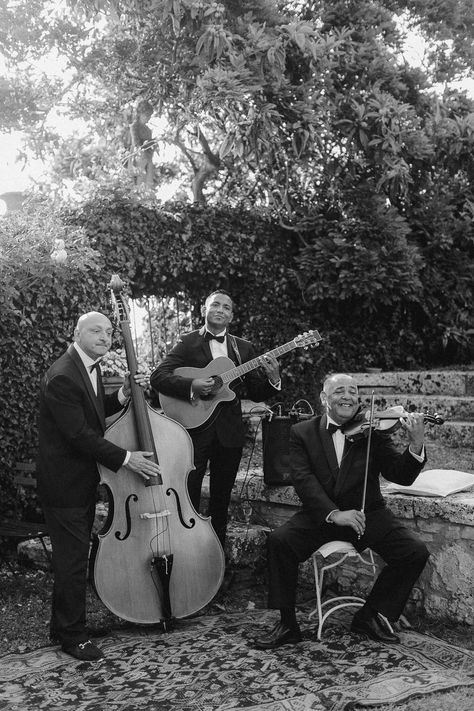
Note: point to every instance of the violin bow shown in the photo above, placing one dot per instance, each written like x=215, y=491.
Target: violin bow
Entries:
x=369, y=439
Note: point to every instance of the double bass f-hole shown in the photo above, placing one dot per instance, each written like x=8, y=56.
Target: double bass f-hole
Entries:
x=192, y=521
x=118, y=535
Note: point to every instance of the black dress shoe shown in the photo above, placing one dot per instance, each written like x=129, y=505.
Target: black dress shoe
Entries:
x=375, y=628
x=84, y=651
x=92, y=632
x=279, y=635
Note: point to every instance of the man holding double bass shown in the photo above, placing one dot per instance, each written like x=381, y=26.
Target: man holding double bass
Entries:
x=73, y=408
x=329, y=474
x=219, y=441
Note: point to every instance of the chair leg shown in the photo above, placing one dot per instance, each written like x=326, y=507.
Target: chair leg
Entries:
x=340, y=601
x=318, y=584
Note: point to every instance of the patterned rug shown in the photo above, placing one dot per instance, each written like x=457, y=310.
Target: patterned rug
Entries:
x=207, y=664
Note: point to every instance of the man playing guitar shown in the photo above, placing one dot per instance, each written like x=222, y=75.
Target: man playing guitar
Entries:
x=219, y=439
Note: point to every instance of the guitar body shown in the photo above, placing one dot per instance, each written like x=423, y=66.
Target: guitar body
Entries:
x=197, y=412
x=224, y=371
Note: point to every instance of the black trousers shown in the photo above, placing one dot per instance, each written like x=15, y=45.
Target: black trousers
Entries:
x=403, y=552
x=70, y=532
x=223, y=467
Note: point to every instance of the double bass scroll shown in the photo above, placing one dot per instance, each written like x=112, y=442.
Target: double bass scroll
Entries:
x=157, y=559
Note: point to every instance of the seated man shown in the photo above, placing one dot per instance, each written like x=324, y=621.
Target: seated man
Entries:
x=328, y=473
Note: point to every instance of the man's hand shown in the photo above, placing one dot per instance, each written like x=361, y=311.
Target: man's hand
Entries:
x=201, y=387
x=141, y=465
x=354, y=519
x=142, y=379
x=270, y=365
x=414, y=424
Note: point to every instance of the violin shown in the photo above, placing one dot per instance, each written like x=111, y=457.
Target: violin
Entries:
x=386, y=421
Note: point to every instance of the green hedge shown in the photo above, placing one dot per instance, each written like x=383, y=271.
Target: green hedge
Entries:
x=369, y=285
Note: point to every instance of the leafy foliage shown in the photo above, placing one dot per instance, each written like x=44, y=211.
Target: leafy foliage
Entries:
x=270, y=102
x=39, y=306
x=379, y=291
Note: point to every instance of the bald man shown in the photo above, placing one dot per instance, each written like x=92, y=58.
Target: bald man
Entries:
x=73, y=408
x=328, y=474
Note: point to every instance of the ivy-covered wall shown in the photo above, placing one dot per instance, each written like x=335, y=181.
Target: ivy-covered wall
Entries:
x=371, y=289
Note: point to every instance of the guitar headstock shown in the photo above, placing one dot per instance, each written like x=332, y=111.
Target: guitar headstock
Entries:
x=308, y=339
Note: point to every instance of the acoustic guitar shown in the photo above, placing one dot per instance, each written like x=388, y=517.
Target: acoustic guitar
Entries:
x=198, y=411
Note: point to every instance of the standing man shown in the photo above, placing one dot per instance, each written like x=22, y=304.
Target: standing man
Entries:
x=328, y=475
x=73, y=408
x=220, y=442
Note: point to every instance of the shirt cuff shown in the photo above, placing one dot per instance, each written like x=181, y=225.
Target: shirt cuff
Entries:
x=419, y=457
x=127, y=459
x=276, y=385
x=328, y=520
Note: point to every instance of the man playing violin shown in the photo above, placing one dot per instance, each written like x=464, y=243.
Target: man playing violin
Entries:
x=328, y=473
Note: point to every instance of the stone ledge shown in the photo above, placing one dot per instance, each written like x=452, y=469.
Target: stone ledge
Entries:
x=456, y=508
x=444, y=382
x=451, y=407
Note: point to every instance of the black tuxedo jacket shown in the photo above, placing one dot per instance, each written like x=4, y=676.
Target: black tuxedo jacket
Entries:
x=193, y=351
x=71, y=429
x=322, y=486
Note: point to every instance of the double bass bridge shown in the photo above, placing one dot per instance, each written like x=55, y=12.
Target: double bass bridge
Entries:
x=155, y=515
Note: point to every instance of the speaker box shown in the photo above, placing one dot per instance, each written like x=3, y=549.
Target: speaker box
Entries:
x=276, y=450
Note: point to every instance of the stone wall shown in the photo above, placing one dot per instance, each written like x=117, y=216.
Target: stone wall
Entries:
x=445, y=590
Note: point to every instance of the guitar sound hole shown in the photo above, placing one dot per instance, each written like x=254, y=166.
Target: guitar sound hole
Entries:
x=217, y=384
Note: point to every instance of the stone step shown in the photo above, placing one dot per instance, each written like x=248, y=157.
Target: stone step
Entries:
x=450, y=407
x=459, y=435
x=453, y=434
x=430, y=382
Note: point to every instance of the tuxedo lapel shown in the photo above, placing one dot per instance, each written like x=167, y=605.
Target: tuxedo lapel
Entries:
x=328, y=447
x=96, y=400
x=345, y=467
x=204, y=345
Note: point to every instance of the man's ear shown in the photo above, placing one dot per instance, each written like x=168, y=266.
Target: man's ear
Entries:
x=323, y=398
x=203, y=310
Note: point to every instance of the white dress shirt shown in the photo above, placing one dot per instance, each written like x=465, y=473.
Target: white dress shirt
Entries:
x=339, y=441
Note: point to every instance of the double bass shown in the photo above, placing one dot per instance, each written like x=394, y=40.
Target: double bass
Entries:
x=157, y=558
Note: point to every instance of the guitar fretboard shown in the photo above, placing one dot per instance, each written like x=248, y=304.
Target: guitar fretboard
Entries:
x=229, y=375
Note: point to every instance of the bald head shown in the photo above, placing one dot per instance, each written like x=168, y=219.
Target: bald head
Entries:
x=340, y=396
x=93, y=334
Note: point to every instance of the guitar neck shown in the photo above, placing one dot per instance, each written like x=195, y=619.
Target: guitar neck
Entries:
x=250, y=365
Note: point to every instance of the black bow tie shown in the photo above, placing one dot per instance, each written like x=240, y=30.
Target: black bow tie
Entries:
x=333, y=428
x=210, y=336
x=95, y=366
